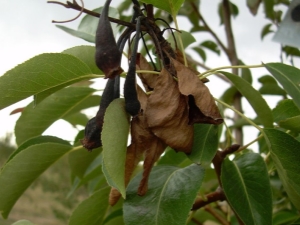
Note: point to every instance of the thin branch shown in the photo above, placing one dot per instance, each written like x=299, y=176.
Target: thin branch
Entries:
x=76, y=17
x=213, y=212
x=218, y=40
x=233, y=58
x=217, y=195
x=77, y=7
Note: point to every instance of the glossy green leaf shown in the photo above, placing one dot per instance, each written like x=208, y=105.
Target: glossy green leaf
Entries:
x=170, y=196
x=45, y=72
x=88, y=25
x=266, y=30
x=205, y=144
x=246, y=183
x=23, y=222
x=86, y=54
x=270, y=86
x=285, y=154
x=292, y=123
x=211, y=46
x=285, y=109
x=114, y=139
x=171, y=6
x=255, y=99
x=253, y=6
x=26, y=165
x=288, y=77
x=35, y=120
x=92, y=210
x=114, y=218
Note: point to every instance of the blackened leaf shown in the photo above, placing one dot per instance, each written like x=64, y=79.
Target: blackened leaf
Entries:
x=163, y=204
x=108, y=56
x=167, y=114
x=246, y=182
x=114, y=139
x=285, y=154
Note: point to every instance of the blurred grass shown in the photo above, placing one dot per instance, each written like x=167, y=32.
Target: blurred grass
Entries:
x=45, y=201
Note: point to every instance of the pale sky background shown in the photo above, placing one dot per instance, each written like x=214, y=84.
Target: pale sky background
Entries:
x=26, y=31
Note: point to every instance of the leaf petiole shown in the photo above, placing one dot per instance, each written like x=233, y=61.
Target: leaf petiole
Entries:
x=212, y=71
x=241, y=114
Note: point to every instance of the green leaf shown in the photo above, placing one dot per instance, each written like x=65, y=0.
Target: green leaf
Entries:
x=234, y=11
x=285, y=154
x=284, y=217
x=187, y=39
x=92, y=210
x=88, y=25
x=201, y=53
x=80, y=160
x=114, y=139
x=292, y=124
x=43, y=73
x=270, y=86
x=211, y=46
x=86, y=54
x=77, y=119
x=253, y=6
x=35, y=120
x=246, y=183
x=229, y=95
x=205, y=144
x=288, y=77
x=25, y=167
x=172, y=158
x=171, y=6
x=291, y=51
x=266, y=30
x=285, y=109
x=269, y=8
x=255, y=99
x=93, y=171
x=245, y=73
x=23, y=222
x=171, y=194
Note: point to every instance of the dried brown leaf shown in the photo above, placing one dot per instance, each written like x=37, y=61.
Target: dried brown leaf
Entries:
x=167, y=114
x=203, y=108
x=148, y=79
